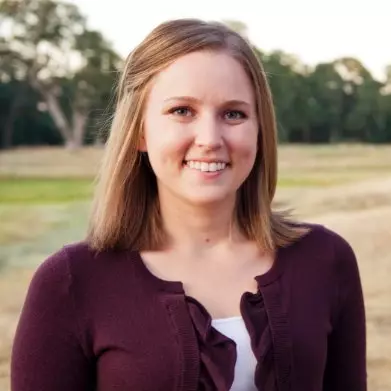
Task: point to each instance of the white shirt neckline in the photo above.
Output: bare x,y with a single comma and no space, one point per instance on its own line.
235,329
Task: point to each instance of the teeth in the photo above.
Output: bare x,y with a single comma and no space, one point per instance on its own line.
206,167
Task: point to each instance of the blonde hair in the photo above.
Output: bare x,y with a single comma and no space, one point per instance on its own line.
125,212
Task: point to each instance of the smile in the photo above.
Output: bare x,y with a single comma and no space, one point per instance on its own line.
206,166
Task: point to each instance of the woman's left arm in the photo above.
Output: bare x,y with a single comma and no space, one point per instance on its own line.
346,356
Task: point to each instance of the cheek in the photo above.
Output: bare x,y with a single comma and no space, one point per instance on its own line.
245,145
165,143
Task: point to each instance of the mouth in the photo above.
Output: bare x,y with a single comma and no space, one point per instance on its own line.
202,166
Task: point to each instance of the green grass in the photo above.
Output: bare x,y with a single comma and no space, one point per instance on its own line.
42,191
21,190
26,190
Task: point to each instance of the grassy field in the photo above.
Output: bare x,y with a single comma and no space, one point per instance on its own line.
44,202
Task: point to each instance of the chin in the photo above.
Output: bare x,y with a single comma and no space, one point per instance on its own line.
208,199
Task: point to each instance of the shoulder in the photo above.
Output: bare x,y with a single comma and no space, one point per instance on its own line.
78,262
324,249
323,259
322,240
58,264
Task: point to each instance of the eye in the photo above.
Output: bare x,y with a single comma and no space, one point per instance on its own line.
233,115
181,111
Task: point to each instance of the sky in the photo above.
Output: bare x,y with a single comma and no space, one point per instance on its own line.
314,30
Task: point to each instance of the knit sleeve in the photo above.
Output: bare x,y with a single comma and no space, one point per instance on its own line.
346,357
47,354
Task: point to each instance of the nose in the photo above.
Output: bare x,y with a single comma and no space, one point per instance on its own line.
209,133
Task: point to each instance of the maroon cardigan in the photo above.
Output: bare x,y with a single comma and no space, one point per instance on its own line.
104,322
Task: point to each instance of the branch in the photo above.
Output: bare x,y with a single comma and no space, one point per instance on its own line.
15,55
5,52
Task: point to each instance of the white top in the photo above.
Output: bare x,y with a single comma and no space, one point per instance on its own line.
235,329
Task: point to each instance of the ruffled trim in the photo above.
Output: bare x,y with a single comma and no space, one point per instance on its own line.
217,352
257,323
279,335
266,322
209,356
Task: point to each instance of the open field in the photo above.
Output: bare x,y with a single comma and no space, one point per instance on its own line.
44,201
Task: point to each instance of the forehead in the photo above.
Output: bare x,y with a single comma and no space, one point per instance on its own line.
205,75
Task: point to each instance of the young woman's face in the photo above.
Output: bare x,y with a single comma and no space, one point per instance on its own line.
200,128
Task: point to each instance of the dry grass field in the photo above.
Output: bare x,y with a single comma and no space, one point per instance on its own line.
44,197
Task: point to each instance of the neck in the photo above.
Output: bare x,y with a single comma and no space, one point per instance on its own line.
195,229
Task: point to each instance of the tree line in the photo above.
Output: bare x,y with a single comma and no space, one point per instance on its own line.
57,79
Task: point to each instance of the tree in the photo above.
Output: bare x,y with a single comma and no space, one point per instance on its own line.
13,95
31,125
48,44
325,105
384,133
360,98
287,79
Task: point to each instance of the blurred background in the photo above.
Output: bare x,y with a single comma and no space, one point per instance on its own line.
329,67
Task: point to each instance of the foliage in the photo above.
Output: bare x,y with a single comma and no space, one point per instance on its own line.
57,78
47,47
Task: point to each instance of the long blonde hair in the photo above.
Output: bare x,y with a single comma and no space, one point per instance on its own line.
125,212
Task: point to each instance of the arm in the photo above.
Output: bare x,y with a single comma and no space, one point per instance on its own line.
346,357
47,354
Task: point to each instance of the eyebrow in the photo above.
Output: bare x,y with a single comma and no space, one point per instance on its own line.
195,100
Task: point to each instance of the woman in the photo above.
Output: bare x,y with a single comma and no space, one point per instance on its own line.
188,280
